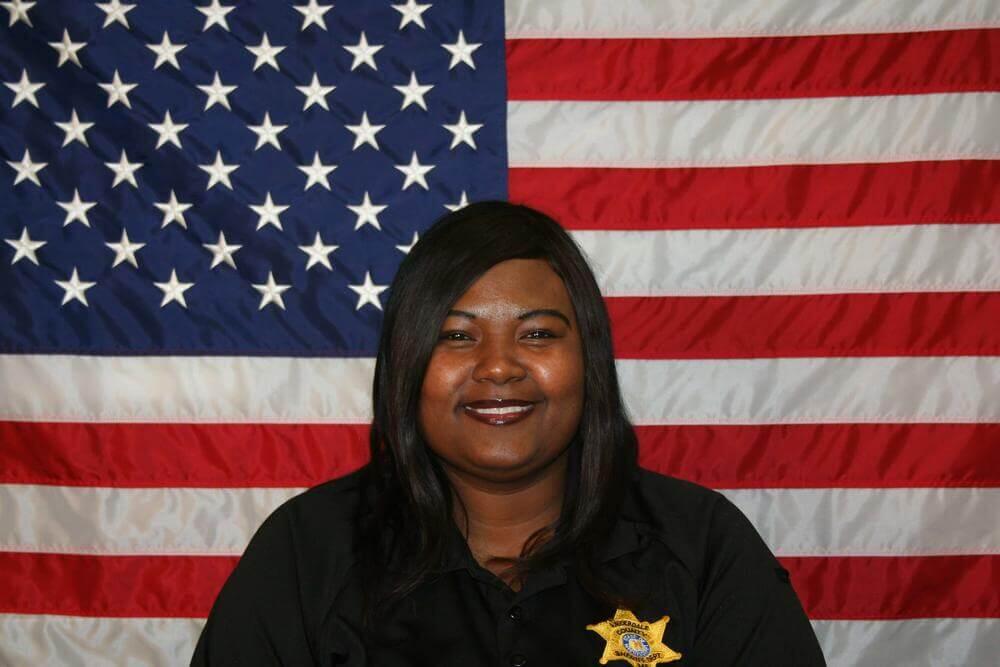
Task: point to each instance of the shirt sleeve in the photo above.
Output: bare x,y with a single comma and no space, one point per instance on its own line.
258,617
749,613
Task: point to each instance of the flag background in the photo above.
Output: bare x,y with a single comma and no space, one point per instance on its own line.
791,208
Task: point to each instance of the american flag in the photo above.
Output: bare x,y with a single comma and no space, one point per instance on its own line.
791,206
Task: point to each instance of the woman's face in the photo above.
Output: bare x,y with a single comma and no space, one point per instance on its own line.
512,336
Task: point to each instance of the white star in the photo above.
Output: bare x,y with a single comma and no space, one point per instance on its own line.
24,90
18,10
461,51
313,13
218,171
405,249
118,91
168,130
124,170
166,52
315,93
364,53
26,169
67,49
271,292
217,93
125,250
76,209
268,212
266,54
415,172
222,251
74,130
463,131
317,172
75,289
411,13
173,290
368,292
266,132
367,213
463,201
318,253
413,92
365,132
115,12
215,14
173,211
25,247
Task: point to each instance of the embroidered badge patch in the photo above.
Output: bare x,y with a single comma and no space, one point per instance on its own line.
636,642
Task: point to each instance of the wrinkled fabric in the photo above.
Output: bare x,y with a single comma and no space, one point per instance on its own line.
889,128
794,522
749,262
657,18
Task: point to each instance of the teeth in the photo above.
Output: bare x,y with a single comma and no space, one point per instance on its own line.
501,411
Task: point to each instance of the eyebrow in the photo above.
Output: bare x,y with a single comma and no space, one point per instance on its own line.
523,316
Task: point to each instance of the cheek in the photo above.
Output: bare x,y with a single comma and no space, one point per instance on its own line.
562,380
442,381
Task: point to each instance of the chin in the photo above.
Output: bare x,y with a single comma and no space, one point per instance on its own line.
506,465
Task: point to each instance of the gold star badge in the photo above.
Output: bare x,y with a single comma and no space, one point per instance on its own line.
636,642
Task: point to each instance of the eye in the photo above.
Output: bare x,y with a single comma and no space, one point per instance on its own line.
454,335
540,333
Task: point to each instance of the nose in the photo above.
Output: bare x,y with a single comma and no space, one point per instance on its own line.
498,362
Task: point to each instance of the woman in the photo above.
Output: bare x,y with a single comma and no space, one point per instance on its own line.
503,519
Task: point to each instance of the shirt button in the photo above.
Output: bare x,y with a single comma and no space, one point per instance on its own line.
518,660
515,614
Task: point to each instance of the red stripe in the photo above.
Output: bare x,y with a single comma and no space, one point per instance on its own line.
159,586
753,67
277,455
179,455
825,455
883,588
827,325
956,191
186,586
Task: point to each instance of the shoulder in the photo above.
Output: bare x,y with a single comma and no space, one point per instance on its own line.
695,522
315,530
280,590
671,504
330,505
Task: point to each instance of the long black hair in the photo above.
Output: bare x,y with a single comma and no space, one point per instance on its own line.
407,516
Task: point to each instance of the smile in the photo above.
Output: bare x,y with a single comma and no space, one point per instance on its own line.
500,416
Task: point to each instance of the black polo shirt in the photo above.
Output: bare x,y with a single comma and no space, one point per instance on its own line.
295,597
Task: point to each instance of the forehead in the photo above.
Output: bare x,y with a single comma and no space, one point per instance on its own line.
513,286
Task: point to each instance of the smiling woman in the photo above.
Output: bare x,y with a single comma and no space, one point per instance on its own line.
501,400
503,518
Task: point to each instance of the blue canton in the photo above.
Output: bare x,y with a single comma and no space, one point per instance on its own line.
233,177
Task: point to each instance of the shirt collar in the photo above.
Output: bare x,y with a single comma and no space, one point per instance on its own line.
628,534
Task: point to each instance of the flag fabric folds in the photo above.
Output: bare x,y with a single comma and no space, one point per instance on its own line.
791,208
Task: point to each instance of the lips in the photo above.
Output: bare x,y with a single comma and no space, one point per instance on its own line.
499,413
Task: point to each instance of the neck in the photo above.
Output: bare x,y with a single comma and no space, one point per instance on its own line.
502,515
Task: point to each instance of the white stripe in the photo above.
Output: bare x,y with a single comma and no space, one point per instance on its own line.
717,133
88,520
700,391
812,390
723,18
823,260
44,641
873,522
62,641
97,520
920,642
185,389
